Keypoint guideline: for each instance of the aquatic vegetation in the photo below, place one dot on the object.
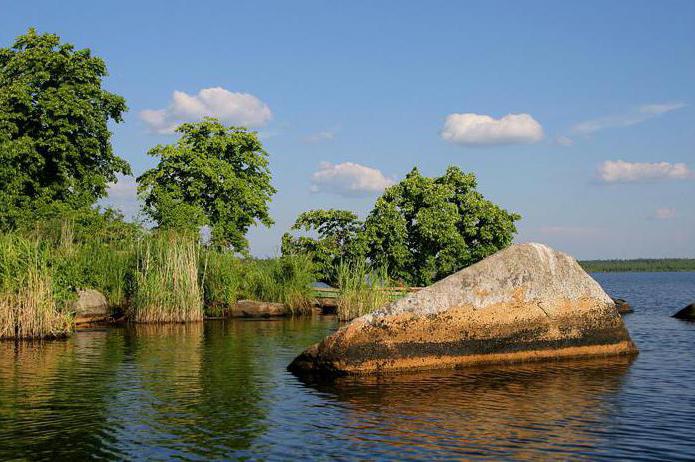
(360, 289)
(30, 305)
(165, 282)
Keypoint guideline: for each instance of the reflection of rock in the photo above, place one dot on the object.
(255, 309)
(622, 306)
(687, 313)
(90, 306)
(527, 302)
(505, 412)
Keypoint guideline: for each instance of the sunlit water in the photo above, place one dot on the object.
(219, 390)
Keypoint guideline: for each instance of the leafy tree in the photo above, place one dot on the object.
(421, 229)
(339, 238)
(55, 145)
(213, 175)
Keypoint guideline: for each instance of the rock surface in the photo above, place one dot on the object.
(255, 309)
(90, 306)
(527, 302)
(622, 306)
(687, 313)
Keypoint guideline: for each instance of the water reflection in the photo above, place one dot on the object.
(509, 411)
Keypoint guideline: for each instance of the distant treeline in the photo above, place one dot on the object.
(641, 264)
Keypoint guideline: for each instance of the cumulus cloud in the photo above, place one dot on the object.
(349, 179)
(235, 108)
(664, 213)
(634, 117)
(619, 171)
(478, 130)
(318, 137)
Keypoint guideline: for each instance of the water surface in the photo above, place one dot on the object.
(219, 390)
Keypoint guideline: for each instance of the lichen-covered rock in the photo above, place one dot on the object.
(255, 309)
(687, 313)
(527, 302)
(90, 306)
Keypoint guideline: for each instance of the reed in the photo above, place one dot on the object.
(285, 279)
(29, 306)
(221, 279)
(358, 289)
(165, 281)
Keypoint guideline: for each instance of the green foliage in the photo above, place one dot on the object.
(639, 265)
(213, 175)
(55, 146)
(422, 229)
(339, 239)
(360, 289)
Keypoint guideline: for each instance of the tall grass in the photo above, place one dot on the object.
(165, 282)
(286, 279)
(358, 289)
(30, 305)
(221, 274)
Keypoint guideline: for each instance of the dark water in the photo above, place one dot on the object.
(219, 390)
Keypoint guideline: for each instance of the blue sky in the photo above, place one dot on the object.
(578, 115)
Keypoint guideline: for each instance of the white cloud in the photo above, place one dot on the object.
(326, 135)
(235, 108)
(349, 179)
(634, 117)
(564, 141)
(619, 171)
(665, 213)
(477, 129)
(123, 195)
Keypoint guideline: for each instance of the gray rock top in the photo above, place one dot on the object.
(522, 272)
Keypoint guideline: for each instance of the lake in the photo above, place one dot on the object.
(219, 390)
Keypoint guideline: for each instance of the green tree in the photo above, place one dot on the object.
(213, 175)
(421, 229)
(55, 145)
(339, 237)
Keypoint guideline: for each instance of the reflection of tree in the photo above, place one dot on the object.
(510, 412)
(54, 395)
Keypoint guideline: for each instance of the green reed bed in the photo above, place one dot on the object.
(165, 281)
(359, 290)
(31, 305)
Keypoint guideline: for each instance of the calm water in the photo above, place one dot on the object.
(219, 390)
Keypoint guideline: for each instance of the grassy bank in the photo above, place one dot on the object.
(358, 290)
(639, 265)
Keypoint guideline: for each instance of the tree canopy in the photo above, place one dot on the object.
(55, 145)
(212, 175)
(421, 229)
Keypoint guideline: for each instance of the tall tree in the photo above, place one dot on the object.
(213, 175)
(421, 229)
(55, 145)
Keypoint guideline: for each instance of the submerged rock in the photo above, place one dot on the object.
(527, 302)
(687, 313)
(255, 309)
(90, 306)
(622, 306)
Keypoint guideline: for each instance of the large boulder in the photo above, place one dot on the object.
(90, 306)
(527, 302)
(687, 313)
(256, 309)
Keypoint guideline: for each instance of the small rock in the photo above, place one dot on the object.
(687, 313)
(622, 306)
(256, 309)
(90, 306)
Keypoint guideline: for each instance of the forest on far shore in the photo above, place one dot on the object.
(640, 264)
